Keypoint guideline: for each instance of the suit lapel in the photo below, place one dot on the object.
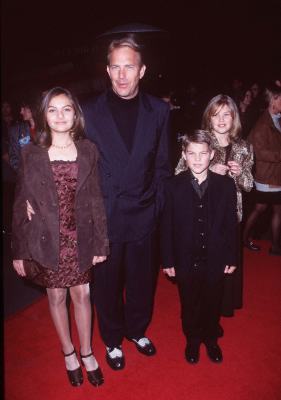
(143, 126)
(143, 129)
(213, 202)
(108, 134)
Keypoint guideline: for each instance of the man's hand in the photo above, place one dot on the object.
(18, 266)
(98, 259)
(170, 272)
(29, 210)
(229, 269)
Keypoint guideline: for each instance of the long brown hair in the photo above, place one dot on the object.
(44, 138)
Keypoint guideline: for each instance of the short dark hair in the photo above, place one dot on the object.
(44, 133)
(197, 136)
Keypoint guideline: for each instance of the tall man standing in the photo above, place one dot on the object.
(131, 131)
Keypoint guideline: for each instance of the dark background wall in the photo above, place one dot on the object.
(50, 42)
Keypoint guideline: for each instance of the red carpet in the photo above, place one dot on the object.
(34, 366)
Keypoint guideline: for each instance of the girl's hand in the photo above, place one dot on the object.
(98, 259)
(18, 266)
(234, 168)
(29, 210)
(220, 168)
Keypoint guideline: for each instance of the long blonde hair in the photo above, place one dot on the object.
(214, 106)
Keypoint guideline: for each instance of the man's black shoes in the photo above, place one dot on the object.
(144, 346)
(115, 358)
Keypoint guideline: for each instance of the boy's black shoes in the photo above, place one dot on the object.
(214, 352)
(192, 353)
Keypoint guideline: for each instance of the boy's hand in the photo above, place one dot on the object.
(170, 272)
(229, 269)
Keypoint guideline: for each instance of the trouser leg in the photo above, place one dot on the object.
(140, 285)
(108, 296)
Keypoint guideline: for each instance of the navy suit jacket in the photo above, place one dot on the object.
(131, 182)
(177, 224)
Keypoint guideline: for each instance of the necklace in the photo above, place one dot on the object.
(62, 147)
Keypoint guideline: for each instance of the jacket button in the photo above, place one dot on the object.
(108, 174)
(200, 220)
(90, 221)
(41, 202)
(43, 237)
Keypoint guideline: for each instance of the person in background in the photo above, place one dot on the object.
(7, 117)
(258, 101)
(131, 131)
(198, 242)
(66, 233)
(21, 133)
(8, 174)
(236, 88)
(233, 157)
(246, 112)
(266, 140)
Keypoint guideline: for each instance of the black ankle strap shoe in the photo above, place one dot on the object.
(75, 376)
(95, 376)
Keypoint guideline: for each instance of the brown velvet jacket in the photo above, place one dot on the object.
(266, 140)
(38, 239)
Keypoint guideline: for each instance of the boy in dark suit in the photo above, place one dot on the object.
(198, 242)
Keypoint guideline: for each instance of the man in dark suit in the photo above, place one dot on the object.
(198, 242)
(131, 130)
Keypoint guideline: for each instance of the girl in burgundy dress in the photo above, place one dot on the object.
(65, 233)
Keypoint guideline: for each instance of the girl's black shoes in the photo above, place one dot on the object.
(95, 377)
(75, 376)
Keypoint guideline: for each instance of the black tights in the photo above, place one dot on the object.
(275, 223)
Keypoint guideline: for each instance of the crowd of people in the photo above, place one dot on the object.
(110, 189)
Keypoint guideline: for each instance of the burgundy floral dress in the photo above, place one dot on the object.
(68, 274)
